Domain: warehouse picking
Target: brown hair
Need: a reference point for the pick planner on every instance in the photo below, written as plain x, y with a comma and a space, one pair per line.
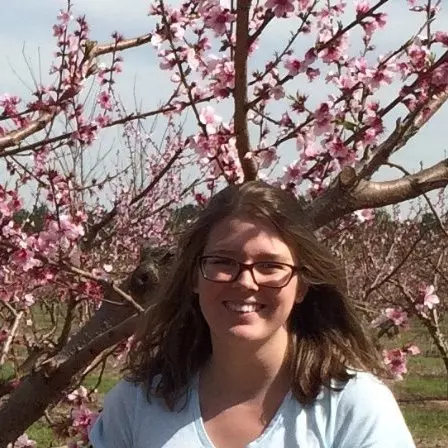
173, 342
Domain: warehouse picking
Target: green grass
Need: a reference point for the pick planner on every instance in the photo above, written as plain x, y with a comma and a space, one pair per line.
427, 420
426, 365
415, 386
108, 381
6, 371
43, 435
426, 379
428, 424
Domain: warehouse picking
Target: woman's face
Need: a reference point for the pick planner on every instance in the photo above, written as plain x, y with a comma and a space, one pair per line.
243, 310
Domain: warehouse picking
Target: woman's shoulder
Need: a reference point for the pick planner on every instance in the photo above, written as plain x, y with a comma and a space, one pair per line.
125, 387
361, 388
130, 416
364, 410
128, 394
125, 393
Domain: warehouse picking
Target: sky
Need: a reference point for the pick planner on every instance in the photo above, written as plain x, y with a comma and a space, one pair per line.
27, 46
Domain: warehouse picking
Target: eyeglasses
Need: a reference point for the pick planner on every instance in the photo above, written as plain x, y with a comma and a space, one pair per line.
264, 273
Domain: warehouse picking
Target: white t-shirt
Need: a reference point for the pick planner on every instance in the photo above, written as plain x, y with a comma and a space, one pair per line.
363, 415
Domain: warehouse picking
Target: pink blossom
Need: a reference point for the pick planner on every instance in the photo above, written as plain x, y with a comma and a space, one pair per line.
277, 92
439, 76
210, 119
122, 350
441, 37
281, 8
340, 151
191, 58
418, 56
311, 149
336, 51
395, 360
200, 199
365, 215
266, 157
104, 101
83, 420
304, 4
369, 27
3, 335
223, 76
397, 316
217, 19
25, 259
310, 57
9, 104
78, 396
381, 76
177, 30
323, 119
293, 173
102, 121
286, 120
10, 203
412, 349
23, 442
168, 60
70, 228
381, 19
58, 30
293, 66
85, 135
362, 7
28, 300
156, 40
430, 299
64, 17
312, 73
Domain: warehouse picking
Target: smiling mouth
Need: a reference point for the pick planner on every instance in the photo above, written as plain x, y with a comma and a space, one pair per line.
245, 308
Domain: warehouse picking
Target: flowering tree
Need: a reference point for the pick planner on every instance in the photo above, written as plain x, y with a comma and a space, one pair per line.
397, 274
96, 215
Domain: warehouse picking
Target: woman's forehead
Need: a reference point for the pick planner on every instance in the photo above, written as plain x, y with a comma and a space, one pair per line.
237, 233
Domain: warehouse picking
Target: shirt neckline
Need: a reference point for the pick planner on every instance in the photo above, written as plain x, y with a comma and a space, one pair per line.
200, 427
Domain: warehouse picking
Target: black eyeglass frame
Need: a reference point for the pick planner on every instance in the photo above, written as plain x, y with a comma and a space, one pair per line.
245, 266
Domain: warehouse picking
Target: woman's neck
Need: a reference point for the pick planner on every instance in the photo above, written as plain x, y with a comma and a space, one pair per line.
248, 371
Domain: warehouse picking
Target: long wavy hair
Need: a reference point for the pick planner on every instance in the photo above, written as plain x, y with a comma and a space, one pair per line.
326, 336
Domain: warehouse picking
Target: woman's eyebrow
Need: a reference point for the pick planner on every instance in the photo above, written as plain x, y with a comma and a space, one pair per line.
262, 256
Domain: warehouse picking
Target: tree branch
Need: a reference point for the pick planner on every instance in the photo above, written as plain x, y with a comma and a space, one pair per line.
370, 194
91, 50
240, 93
413, 122
14, 137
348, 194
111, 215
99, 50
126, 119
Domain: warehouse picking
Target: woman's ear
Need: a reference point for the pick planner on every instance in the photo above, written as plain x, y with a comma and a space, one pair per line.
302, 291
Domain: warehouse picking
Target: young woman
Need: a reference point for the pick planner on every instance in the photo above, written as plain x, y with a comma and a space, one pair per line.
252, 343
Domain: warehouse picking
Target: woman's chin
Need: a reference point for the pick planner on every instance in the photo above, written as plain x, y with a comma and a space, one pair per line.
246, 333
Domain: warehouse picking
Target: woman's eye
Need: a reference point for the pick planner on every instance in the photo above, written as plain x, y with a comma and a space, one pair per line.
220, 261
272, 266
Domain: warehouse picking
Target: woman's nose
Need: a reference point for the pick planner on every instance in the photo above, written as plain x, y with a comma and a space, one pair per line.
246, 279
